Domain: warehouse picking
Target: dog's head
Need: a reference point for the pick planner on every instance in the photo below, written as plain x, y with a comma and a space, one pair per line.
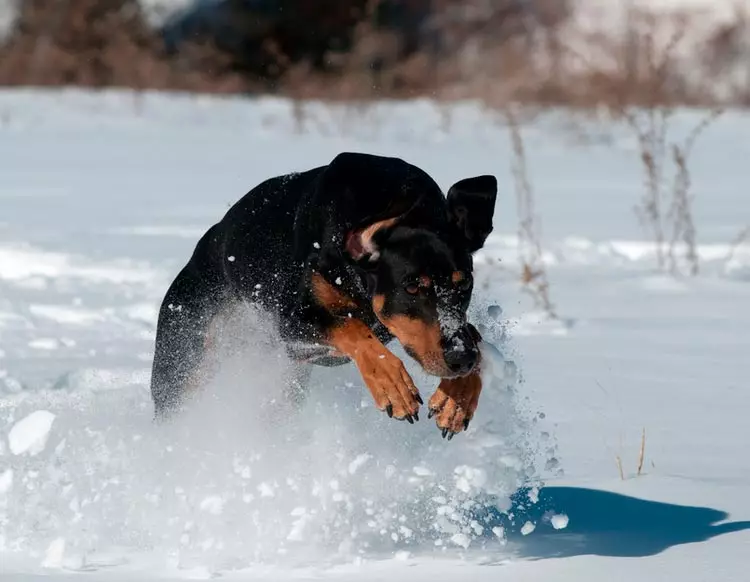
420, 279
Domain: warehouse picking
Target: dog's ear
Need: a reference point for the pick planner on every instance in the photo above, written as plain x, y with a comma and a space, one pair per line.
363, 245
471, 205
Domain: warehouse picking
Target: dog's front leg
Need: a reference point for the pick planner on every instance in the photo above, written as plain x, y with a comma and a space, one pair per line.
456, 399
384, 374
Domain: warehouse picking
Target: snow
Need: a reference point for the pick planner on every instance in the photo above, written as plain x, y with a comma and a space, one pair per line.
101, 205
527, 528
29, 435
559, 521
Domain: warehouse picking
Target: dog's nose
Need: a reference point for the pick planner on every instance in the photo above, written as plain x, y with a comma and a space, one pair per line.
461, 353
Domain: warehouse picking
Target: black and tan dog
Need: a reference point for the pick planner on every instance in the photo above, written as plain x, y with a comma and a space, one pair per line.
344, 257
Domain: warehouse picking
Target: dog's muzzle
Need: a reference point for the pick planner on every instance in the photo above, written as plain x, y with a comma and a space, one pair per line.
461, 351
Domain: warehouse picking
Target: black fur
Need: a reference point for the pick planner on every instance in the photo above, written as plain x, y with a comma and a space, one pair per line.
268, 245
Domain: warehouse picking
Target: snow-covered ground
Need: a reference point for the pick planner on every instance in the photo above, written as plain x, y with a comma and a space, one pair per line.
102, 197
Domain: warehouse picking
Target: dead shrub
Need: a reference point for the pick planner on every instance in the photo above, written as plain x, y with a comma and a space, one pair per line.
500, 52
533, 272
680, 214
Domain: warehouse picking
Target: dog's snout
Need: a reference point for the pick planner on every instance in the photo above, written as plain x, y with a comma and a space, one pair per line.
461, 352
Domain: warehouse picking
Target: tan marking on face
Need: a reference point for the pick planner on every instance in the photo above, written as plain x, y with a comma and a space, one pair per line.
421, 338
425, 281
458, 276
329, 296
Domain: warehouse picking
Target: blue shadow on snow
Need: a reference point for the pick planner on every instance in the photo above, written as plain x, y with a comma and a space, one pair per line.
605, 524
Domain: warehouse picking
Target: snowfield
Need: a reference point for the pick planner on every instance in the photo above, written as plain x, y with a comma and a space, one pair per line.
102, 198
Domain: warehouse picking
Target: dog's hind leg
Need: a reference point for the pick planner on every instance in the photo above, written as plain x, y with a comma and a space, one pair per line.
182, 336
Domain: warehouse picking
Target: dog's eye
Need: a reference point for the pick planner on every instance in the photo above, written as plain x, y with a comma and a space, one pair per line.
412, 288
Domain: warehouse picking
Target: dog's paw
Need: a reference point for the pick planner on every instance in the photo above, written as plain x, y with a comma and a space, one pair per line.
455, 402
391, 386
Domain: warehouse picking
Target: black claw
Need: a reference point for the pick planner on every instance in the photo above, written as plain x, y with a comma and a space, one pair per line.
451, 434
445, 432
431, 413
416, 416
466, 423
389, 410
409, 419
419, 398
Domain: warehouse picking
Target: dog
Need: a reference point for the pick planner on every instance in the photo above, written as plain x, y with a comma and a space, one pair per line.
345, 257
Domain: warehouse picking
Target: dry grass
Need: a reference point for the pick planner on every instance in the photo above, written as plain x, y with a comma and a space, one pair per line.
651, 132
533, 272
500, 53
641, 453
680, 214
664, 210
666, 213
641, 459
742, 237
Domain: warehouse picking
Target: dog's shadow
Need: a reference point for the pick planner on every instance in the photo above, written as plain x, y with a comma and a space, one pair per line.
606, 524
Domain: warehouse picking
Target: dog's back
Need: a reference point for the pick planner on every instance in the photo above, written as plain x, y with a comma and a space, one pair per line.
250, 249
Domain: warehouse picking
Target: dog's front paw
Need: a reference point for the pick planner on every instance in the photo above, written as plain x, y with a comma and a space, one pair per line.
391, 385
455, 402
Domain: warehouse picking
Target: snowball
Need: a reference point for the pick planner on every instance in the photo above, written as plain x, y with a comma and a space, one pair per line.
560, 521
266, 490
213, 505
30, 434
53, 557
6, 481
358, 462
527, 528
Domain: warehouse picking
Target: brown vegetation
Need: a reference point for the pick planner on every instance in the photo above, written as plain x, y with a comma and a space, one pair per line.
499, 52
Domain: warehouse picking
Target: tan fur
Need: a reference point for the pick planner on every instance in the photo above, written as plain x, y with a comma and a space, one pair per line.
383, 373
367, 234
330, 297
360, 243
456, 400
421, 338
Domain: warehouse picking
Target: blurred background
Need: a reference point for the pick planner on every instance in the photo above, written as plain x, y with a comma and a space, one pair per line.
559, 52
